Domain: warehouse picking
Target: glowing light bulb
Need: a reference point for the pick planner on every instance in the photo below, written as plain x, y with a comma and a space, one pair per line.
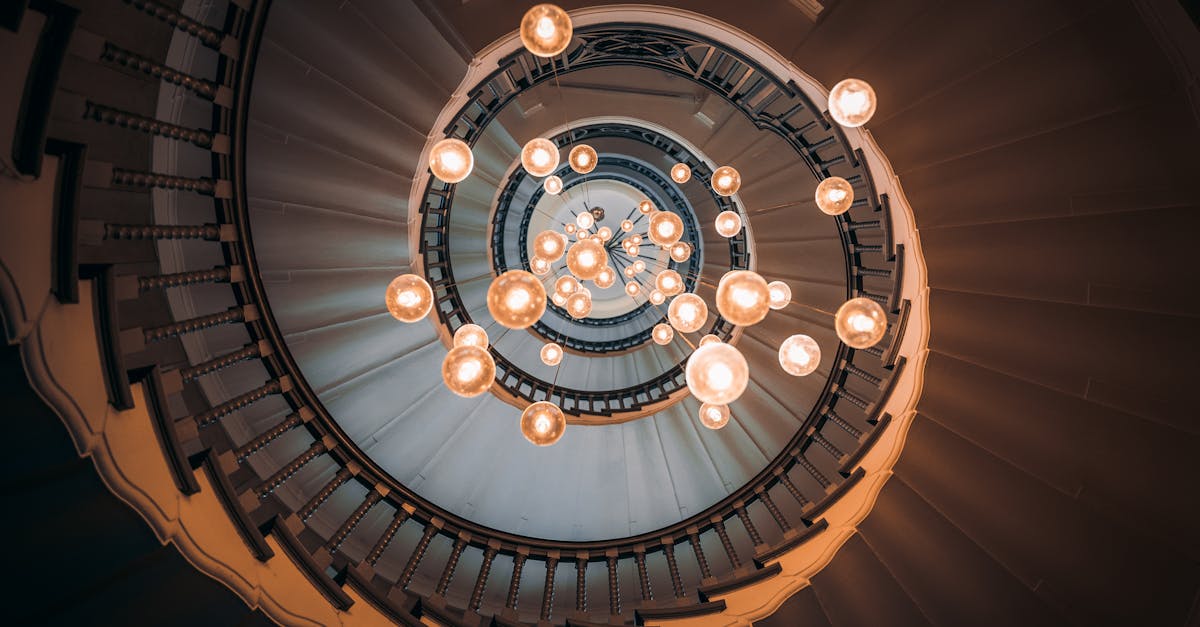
681, 252
551, 354
451, 160
546, 30
582, 234
579, 305
728, 223
709, 339
586, 258
539, 157
779, 294
669, 282
687, 313
639, 266
717, 373
681, 173
606, 278
570, 228
558, 299
543, 423
549, 245
468, 370
553, 185
516, 299
636, 239
743, 297
657, 297
604, 233
627, 225
539, 266
408, 298
633, 251
645, 206
632, 288
665, 228
629, 272
565, 285
799, 355
471, 335
852, 102
583, 158
860, 323
834, 196
585, 220
726, 181
714, 416
662, 334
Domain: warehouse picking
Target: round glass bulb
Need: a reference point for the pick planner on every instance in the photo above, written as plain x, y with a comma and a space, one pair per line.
516, 299
551, 354
687, 313
852, 102
860, 323
585, 220
632, 288
779, 294
549, 245
546, 30
709, 339
570, 228
726, 181
657, 297
579, 305
553, 185
586, 258
604, 233
627, 225
543, 423
558, 299
743, 297
645, 206
409, 298
662, 334
606, 278
633, 251
665, 228
468, 370
669, 282
451, 160
717, 373
639, 266
583, 158
582, 234
714, 416
681, 251
565, 285
681, 173
539, 157
629, 272
470, 335
728, 223
799, 355
539, 266
834, 196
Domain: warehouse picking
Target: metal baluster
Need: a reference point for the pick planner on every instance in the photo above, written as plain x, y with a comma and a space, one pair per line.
514, 583
694, 539
143, 124
743, 516
229, 316
389, 534
548, 588
726, 544
581, 584
219, 274
191, 373
485, 568
343, 475
639, 556
776, 515
215, 414
792, 489
210, 232
673, 568
294, 466
348, 526
125, 58
812, 470
414, 560
209, 36
614, 587
153, 180
268, 436
841, 422
443, 583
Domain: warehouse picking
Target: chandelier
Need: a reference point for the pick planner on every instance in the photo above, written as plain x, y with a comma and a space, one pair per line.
716, 372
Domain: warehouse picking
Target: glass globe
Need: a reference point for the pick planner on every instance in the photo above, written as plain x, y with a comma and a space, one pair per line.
632, 288
470, 335
545, 30
451, 160
709, 339
579, 305
681, 173
582, 234
779, 295
543, 423
539, 266
645, 206
717, 373
468, 370
639, 266
606, 278
549, 245
604, 233
665, 228
558, 299
409, 298
662, 334
852, 102
669, 282
516, 299
834, 196
627, 225
633, 251
570, 228
657, 297
586, 258
799, 355
585, 220
728, 223
681, 251
551, 354
743, 297
629, 272
714, 416
726, 181
687, 313
565, 285
860, 323
553, 185
583, 158
539, 157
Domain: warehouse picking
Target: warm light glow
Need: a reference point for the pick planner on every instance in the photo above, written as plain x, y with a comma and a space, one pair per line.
728, 223
629, 272
633, 251
579, 304
645, 206
409, 298
606, 278
636, 239
558, 299
669, 282
714, 416
565, 285
451, 160
687, 313
662, 334
657, 297
543, 423
681, 173
539, 157
743, 297
799, 355
665, 228
516, 299
681, 251
582, 234
627, 225
539, 266
468, 370
552, 185
549, 245
709, 339
583, 158
717, 373
569, 228
632, 288
726, 181
834, 196
860, 323
779, 294
585, 220
551, 354
470, 335
852, 102
639, 266
604, 233
586, 258
546, 30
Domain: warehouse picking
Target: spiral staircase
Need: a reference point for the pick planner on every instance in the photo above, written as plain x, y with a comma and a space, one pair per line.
203, 200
